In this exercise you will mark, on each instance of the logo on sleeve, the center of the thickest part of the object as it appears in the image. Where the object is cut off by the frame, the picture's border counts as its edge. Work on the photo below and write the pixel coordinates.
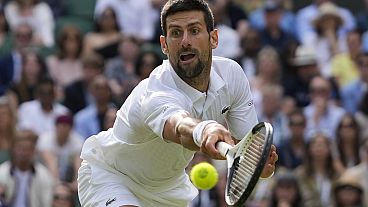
(108, 202)
(250, 103)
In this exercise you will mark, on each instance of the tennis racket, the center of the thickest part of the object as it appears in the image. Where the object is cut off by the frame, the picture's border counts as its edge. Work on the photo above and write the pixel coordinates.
(245, 162)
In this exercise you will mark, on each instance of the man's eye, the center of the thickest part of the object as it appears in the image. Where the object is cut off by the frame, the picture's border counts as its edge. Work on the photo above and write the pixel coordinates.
(175, 33)
(195, 31)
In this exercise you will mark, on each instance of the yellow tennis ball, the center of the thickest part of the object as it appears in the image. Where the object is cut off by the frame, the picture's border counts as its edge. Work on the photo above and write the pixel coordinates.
(204, 176)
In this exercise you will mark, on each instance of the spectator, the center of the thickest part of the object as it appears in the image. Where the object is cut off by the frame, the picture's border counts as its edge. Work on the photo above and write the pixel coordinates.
(106, 35)
(348, 141)
(268, 72)
(322, 114)
(27, 182)
(286, 191)
(250, 47)
(288, 105)
(76, 93)
(229, 13)
(135, 17)
(33, 71)
(90, 120)
(11, 63)
(7, 128)
(6, 43)
(327, 42)
(65, 66)
(348, 192)
(229, 40)
(287, 19)
(271, 112)
(297, 84)
(304, 21)
(291, 151)
(147, 60)
(36, 13)
(60, 149)
(62, 196)
(40, 114)
(360, 172)
(344, 66)
(120, 70)
(353, 93)
(273, 34)
(317, 173)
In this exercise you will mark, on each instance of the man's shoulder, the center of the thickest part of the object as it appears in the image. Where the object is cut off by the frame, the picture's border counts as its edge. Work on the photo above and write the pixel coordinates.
(224, 63)
(29, 105)
(227, 67)
(222, 59)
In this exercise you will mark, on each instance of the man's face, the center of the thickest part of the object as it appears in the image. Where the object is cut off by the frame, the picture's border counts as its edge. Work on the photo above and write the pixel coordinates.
(23, 36)
(188, 44)
(23, 153)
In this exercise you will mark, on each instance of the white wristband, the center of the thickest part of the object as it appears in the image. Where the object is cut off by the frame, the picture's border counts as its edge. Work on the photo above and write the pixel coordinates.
(198, 131)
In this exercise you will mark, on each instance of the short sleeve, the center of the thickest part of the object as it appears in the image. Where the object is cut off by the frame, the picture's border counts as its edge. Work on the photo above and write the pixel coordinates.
(159, 106)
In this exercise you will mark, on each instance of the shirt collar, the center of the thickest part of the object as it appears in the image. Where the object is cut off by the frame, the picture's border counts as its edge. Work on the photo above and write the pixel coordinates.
(216, 83)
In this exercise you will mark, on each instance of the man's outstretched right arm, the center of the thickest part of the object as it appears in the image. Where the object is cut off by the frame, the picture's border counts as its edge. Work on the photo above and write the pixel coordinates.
(191, 133)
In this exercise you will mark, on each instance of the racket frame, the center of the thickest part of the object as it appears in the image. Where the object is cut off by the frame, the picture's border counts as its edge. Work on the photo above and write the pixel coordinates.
(234, 154)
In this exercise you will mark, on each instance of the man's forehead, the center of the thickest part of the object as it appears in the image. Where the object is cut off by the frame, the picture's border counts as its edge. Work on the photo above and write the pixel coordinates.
(185, 18)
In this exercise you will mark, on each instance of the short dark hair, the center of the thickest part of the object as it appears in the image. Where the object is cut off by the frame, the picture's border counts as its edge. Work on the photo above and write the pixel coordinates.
(173, 6)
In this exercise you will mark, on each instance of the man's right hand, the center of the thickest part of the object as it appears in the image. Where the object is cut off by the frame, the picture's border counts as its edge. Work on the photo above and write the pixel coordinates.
(213, 133)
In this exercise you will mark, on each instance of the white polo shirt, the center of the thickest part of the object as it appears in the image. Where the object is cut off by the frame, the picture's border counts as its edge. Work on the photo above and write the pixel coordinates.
(134, 147)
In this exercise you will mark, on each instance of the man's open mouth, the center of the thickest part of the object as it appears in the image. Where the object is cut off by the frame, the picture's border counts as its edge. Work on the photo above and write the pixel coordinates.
(186, 57)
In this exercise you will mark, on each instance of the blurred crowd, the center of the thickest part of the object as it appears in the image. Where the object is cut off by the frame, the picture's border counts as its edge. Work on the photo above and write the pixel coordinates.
(66, 67)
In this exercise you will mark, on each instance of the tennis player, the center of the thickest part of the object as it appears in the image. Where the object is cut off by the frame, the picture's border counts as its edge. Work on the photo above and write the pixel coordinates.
(141, 160)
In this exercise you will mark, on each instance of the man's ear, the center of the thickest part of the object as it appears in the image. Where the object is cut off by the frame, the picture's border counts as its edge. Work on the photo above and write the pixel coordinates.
(214, 38)
(163, 44)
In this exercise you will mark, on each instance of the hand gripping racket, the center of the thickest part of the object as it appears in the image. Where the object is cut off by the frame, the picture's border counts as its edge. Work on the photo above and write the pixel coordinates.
(245, 162)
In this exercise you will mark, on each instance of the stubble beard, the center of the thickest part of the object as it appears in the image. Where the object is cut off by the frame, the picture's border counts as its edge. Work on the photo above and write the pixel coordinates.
(190, 73)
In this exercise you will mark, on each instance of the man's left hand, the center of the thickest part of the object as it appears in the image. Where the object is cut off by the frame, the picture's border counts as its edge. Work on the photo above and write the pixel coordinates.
(270, 166)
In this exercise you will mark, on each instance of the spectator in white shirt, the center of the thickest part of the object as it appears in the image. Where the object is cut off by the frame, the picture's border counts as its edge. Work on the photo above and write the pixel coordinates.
(40, 114)
(135, 17)
(36, 13)
(60, 150)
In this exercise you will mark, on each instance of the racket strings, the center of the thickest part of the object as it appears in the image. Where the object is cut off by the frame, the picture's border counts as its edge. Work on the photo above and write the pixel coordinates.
(246, 166)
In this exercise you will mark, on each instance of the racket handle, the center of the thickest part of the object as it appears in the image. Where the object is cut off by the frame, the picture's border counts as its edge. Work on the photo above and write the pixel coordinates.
(223, 148)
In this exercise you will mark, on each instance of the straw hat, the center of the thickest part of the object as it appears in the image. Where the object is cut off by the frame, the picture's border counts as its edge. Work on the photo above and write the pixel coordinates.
(348, 179)
(327, 10)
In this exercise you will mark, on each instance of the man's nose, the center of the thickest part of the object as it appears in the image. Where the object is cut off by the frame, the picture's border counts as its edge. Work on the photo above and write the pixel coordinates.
(186, 41)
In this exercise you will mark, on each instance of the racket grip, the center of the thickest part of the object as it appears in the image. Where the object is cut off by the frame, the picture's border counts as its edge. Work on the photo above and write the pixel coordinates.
(223, 148)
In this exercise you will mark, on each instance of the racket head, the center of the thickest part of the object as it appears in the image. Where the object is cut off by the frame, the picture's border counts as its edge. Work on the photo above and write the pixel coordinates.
(248, 162)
